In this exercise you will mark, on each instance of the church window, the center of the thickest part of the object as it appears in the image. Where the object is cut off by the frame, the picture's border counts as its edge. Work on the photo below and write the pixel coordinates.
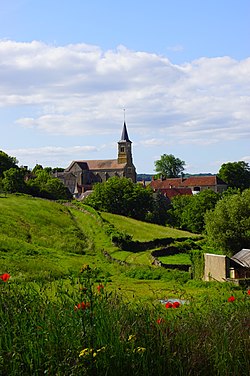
(122, 149)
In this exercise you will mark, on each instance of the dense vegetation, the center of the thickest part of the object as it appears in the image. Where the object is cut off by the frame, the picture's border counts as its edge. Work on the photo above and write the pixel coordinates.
(68, 309)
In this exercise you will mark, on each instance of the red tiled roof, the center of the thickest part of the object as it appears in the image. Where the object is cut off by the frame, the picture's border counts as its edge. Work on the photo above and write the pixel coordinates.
(172, 192)
(192, 181)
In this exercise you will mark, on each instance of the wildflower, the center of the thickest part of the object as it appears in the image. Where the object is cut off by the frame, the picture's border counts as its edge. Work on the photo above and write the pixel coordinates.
(5, 277)
(131, 338)
(100, 288)
(102, 349)
(139, 350)
(231, 299)
(248, 292)
(160, 320)
(169, 305)
(86, 352)
(176, 305)
(82, 306)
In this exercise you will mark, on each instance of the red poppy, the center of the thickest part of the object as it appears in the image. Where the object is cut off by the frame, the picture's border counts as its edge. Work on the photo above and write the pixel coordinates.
(176, 305)
(248, 292)
(160, 320)
(5, 277)
(231, 299)
(100, 288)
(169, 305)
(81, 305)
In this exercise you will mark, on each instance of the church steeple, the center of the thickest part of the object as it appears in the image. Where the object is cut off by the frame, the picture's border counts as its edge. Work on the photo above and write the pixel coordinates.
(124, 147)
(124, 136)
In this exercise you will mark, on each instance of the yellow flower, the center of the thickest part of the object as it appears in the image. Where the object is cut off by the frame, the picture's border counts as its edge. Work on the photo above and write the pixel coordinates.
(139, 350)
(103, 348)
(131, 338)
(86, 352)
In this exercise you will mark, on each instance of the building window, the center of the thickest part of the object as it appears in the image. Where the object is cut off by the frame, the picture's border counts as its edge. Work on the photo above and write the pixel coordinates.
(122, 149)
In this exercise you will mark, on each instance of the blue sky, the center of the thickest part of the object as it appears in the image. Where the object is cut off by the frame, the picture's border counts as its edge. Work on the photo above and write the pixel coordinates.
(180, 68)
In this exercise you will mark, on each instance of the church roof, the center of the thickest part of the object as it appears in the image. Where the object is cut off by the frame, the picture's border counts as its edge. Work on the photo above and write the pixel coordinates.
(124, 136)
(103, 164)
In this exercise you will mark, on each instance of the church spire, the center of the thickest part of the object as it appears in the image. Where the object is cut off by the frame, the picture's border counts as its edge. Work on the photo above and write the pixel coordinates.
(124, 136)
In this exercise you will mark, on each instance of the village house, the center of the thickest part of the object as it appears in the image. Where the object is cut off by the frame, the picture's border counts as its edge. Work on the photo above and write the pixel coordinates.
(171, 187)
(81, 175)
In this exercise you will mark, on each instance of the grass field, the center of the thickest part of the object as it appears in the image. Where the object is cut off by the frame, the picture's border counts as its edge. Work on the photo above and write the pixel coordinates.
(69, 310)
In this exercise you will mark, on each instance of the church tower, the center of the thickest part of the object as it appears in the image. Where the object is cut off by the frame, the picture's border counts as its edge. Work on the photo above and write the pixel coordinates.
(124, 147)
(125, 154)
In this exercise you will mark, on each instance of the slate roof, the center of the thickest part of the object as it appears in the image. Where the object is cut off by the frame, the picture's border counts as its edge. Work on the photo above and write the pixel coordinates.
(104, 164)
(124, 136)
(242, 258)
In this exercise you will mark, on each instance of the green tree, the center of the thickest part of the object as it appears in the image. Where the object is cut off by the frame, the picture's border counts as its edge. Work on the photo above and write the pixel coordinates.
(46, 186)
(188, 212)
(228, 225)
(169, 166)
(13, 180)
(6, 162)
(121, 196)
(160, 209)
(235, 174)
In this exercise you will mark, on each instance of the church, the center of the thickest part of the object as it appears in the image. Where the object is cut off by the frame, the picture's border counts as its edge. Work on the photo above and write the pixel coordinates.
(81, 175)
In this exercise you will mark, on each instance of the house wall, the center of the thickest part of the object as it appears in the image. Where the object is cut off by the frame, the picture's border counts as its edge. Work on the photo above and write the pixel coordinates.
(216, 267)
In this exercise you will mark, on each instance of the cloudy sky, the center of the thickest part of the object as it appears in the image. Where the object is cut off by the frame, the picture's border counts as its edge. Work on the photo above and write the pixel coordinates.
(181, 70)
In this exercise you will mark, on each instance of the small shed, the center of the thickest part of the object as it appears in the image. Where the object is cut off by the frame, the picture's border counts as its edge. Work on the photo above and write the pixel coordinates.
(223, 268)
(240, 264)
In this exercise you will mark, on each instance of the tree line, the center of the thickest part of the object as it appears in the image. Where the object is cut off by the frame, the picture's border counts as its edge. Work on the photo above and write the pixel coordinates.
(38, 182)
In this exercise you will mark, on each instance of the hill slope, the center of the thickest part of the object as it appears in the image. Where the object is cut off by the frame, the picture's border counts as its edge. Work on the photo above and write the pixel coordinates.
(40, 239)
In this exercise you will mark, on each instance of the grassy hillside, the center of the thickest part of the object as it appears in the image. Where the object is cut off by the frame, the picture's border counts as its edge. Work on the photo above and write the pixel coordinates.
(143, 231)
(40, 239)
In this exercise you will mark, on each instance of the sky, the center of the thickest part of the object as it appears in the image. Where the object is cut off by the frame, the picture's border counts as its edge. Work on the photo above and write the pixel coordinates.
(177, 71)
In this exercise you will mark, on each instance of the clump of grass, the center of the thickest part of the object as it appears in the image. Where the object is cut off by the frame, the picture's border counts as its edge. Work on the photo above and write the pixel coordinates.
(79, 328)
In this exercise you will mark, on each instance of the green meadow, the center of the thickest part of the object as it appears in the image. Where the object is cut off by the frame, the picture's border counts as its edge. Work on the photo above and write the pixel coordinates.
(75, 303)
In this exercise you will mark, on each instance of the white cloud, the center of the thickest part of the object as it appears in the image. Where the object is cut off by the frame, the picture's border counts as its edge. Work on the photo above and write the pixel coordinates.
(81, 90)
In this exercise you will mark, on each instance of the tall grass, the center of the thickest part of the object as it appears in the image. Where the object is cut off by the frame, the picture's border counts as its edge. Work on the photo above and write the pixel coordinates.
(79, 328)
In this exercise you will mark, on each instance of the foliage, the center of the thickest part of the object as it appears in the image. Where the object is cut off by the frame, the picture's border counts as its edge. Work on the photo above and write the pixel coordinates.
(169, 166)
(188, 212)
(228, 226)
(197, 263)
(81, 329)
(236, 174)
(13, 180)
(160, 207)
(46, 186)
(121, 196)
(6, 162)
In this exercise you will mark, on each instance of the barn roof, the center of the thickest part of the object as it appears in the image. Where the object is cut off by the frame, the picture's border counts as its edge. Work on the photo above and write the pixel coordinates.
(242, 258)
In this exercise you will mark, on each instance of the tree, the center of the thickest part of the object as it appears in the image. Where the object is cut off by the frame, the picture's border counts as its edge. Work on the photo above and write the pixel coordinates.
(228, 225)
(13, 180)
(6, 162)
(169, 166)
(121, 196)
(235, 174)
(187, 212)
(46, 186)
